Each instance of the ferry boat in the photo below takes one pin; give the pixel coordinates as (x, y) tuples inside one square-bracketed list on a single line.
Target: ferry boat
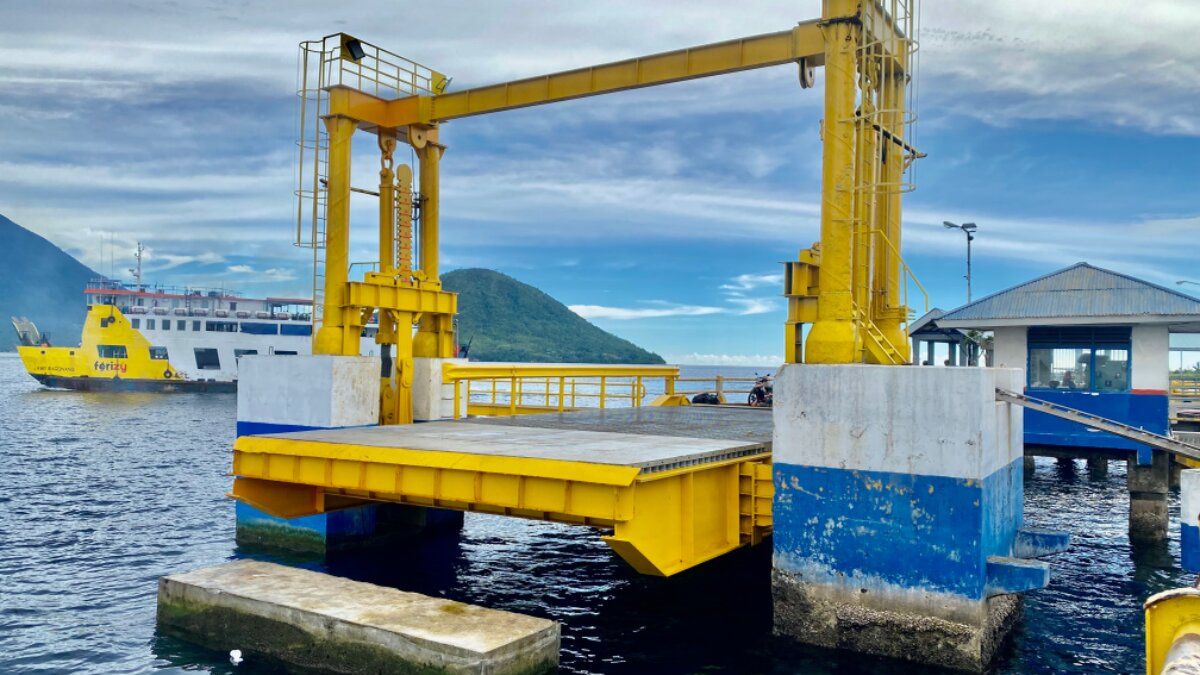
[(143, 338)]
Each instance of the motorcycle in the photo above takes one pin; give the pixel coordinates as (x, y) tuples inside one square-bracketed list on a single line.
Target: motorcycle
[(761, 393)]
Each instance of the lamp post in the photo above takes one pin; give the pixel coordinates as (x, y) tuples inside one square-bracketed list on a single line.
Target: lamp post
[(969, 230)]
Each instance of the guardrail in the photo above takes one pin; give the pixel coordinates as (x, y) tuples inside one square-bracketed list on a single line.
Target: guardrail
[(532, 388)]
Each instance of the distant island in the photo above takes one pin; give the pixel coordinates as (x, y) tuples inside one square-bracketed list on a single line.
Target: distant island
[(505, 320), (41, 281), (501, 318)]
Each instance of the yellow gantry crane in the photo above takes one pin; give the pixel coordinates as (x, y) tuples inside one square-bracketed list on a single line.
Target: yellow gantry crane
[(847, 286), (668, 512)]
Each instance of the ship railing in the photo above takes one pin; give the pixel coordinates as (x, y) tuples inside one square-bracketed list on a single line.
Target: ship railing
[(505, 389)]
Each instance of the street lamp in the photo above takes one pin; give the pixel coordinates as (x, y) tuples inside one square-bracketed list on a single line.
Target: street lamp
[(969, 230)]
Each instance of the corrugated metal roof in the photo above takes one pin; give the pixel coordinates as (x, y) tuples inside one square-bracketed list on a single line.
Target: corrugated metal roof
[(1082, 291)]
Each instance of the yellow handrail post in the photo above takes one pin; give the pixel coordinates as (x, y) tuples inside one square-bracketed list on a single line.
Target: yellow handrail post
[(494, 381), (457, 409), (573, 381), (512, 396), (637, 390), (720, 388), (562, 388), (602, 391)]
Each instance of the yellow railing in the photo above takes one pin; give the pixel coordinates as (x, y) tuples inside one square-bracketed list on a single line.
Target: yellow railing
[(531, 388)]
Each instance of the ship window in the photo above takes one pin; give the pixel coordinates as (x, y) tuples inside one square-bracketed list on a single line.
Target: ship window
[(260, 328), (158, 353), (149, 324), (239, 353), (196, 325), (166, 324), (207, 359), (221, 326), (136, 323), (295, 329), (111, 351), (281, 352), (181, 325)]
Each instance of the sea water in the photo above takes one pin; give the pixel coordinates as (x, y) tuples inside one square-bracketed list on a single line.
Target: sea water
[(102, 493)]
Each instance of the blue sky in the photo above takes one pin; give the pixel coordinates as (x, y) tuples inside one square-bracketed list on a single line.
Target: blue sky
[(1062, 129)]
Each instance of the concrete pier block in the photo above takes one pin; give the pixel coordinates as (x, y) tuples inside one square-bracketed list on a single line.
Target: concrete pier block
[(1189, 520), (318, 622), (896, 526), (1029, 464), (432, 399), (1097, 467), (1148, 486), (342, 529), (298, 393)]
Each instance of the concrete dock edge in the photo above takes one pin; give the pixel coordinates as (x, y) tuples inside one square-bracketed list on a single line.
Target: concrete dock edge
[(323, 623)]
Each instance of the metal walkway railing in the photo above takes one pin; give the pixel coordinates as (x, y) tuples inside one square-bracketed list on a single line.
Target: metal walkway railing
[(1167, 443)]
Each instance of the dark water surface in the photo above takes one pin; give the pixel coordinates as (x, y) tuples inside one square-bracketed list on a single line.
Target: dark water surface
[(100, 494)]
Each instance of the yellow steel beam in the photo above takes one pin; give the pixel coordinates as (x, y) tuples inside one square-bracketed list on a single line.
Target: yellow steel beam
[(805, 41), (663, 522), (400, 297)]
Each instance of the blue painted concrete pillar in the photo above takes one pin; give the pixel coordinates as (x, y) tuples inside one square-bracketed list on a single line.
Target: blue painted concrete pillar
[(898, 498), (1189, 519), (299, 393)]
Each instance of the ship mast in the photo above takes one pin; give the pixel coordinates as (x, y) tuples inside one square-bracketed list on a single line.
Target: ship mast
[(137, 271)]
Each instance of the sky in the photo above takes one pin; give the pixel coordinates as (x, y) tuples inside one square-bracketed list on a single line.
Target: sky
[(1067, 131)]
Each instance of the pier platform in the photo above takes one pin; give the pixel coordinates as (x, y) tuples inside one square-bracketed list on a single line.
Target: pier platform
[(678, 486), (319, 622)]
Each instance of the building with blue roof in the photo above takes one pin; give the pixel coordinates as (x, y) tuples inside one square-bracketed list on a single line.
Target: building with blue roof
[(1088, 338)]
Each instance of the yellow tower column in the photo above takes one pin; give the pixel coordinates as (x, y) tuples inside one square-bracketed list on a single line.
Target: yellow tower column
[(890, 311), (435, 333), (329, 339), (832, 338)]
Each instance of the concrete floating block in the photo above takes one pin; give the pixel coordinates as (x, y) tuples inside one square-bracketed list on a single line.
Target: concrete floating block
[(296, 393), (1015, 575), (324, 623), (1035, 543)]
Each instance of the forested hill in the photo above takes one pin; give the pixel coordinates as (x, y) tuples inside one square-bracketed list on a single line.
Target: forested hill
[(506, 320), (40, 281)]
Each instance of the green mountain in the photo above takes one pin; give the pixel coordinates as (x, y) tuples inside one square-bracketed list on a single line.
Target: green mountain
[(506, 320), (40, 281)]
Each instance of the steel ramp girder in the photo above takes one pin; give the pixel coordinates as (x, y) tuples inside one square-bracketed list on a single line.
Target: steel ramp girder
[(663, 522)]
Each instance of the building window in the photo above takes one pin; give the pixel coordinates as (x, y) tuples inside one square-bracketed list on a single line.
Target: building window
[(196, 326), (149, 324), (111, 351), (166, 325), (158, 353), (1079, 358), (295, 329), (239, 353), (207, 359), (221, 326), (181, 325), (256, 328), (281, 352), (1059, 367), (135, 323)]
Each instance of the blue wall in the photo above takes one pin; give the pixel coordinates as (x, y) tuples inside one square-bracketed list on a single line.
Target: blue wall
[(855, 529)]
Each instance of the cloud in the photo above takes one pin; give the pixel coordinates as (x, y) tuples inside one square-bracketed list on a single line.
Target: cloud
[(748, 282), (750, 306), (695, 359), (241, 269), (628, 313)]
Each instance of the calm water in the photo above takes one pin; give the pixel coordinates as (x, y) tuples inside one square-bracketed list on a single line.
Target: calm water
[(102, 494)]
